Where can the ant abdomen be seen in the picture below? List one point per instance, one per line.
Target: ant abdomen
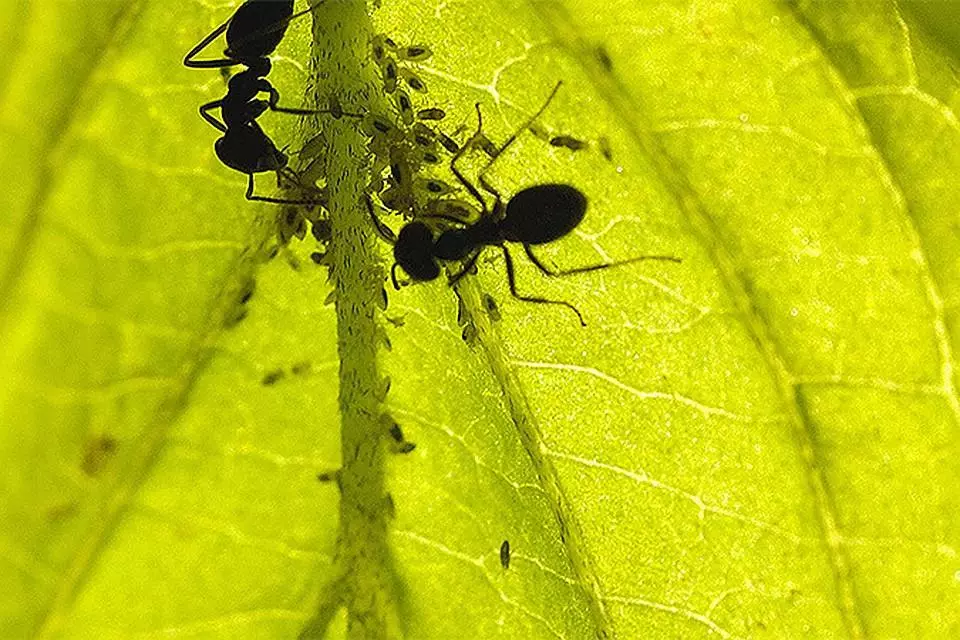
(543, 213)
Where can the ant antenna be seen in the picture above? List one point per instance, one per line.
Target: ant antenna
(516, 133)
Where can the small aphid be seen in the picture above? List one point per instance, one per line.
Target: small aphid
(491, 306)
(434, 186)
(381, 45)
(406, 447)
(390, 507)
(432, 113)
(487, 145)
(272, 377)
(568, 142)
(97, 453)
(321, 230)
(301, 368)
(603, 57)
(539, 132)
(329, 476)
(384, 388)
(505, 554)
(396, 432)
(336, 109)
(246, 290)
(414, 53)
(423, 135)
(429, 157)
(413, 81)
(397, 321)
(605, 150)
(378, 126)
(448, 143)
(460, 209)
(390, 76)
(405, 107)
(235, 317)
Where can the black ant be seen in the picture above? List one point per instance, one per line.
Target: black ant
(253, 32)
(536, 215)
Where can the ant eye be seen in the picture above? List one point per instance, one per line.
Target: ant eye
(431, 114)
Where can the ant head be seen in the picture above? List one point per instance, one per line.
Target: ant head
(414, 252)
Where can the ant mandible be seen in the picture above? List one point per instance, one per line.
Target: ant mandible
(253, 32)
(536, 215)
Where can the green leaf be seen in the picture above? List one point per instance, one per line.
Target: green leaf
(758, 442)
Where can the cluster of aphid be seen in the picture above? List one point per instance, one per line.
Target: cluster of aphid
(437, 228)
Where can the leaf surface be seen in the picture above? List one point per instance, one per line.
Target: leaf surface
(758, 442)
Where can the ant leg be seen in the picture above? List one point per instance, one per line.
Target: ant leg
(188, 60)
(250, 196)
(383, 230)
(593, 267)
(454, 279)
(456, 172)
(513, 137)
(204, 112)
(393, 276)
(512, 281)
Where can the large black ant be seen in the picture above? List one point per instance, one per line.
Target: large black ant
(253, 32)
(536, 215)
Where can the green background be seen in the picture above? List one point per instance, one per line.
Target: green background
(759, 442)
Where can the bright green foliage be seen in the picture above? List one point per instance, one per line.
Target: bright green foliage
(759, 442)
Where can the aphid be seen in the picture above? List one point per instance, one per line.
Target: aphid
(272, 377)
(447, 142)
(389, 506)
(329, 476)
(414, 53)
(400, 444)
(536, 215)
(301, 368)
(603, 57)
(405, 107)
(432, 113)
(97, 453)
(389, 76)
(434, 186)
(381, 46)
(423, 136)
(413, 81)
(568, 142)
(505, 554)
(605, 150)
(491, 306)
